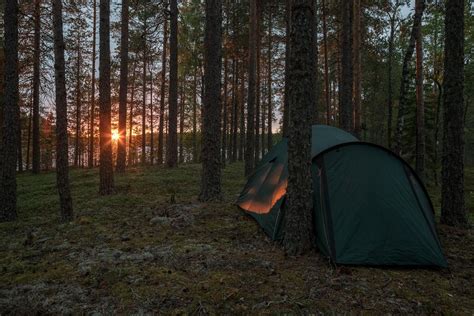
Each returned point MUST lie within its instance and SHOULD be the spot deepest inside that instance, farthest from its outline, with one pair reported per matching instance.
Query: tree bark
(357, 68)
(405, 80)
(78, 106)
(36, 159)
(130, 124)
(286, 106)
(62, 163)
(224, 119)
(122, 124)
(106, 166)
(326, 66)
(92, 110)
(163, 95)
(144, 91)
(172, 148)
(235, 105)
(346, 114)
(10, 114)
(298, 231)
(258, 40)
(195, 88)
(242, 116)
(269, 83)
(420, 104)
(453, 205)
(391, 39)
(152, 136)
(181, 121)
(250, 141)
(211, 128)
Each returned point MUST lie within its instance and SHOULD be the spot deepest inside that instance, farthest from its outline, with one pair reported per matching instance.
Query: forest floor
(135, 252)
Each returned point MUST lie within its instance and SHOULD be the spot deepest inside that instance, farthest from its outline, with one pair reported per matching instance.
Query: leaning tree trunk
(10, 125)
(453, 206)
(346, 114)
(106, 167)
(405, 80)
(302, 96)
(90, 162)
(172, 148)
(36, 89)
(62, 163)
(162, 95)
(211, 127)
(121, 151)
(420, 104)
(235, 114)
(250, 141)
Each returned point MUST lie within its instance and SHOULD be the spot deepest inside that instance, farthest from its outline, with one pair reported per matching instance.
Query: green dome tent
(369, 207)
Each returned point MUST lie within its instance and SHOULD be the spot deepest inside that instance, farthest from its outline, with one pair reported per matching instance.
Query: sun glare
(115, 136)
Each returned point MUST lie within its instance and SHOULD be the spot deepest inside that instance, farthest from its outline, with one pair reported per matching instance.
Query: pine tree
(172, 145)
(106, 166)
(252, 64)
(301, 94)
(62, 162)
(10, 116)
(453, 205)
(121, 151)
(211, 129)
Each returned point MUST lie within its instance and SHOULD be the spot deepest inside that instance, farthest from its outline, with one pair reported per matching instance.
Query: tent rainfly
(369, 206)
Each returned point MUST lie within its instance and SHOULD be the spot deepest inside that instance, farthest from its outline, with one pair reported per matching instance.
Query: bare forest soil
(135, 252)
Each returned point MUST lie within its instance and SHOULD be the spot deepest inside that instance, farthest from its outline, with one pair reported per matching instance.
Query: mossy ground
(116, 258)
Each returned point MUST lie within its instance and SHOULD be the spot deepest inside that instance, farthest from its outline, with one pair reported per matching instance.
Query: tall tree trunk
(453, 205)
(195, 149)
(390, 71)
(122, 124)
(420, 104)
(224, 120)
(152, 138)
(78, 106)
(36, 87)
(172, 148)
(211, 128)
(130, 124)
(357, 68)
(181, 121)
(250, 141)
(242, 116)
(327, 89)
(346, 115)
(10, 114)
(257, 82)
(405, 80)
(286, 106)
(28, 139)
(163, 94)
(62, 163)
(235, 114)
(106, 167)
(269, 83)
(298, 236)
(92, 110)
(19, 144)
(144, 91)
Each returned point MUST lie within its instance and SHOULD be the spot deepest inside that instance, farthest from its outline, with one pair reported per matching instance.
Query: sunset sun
(115, 136)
